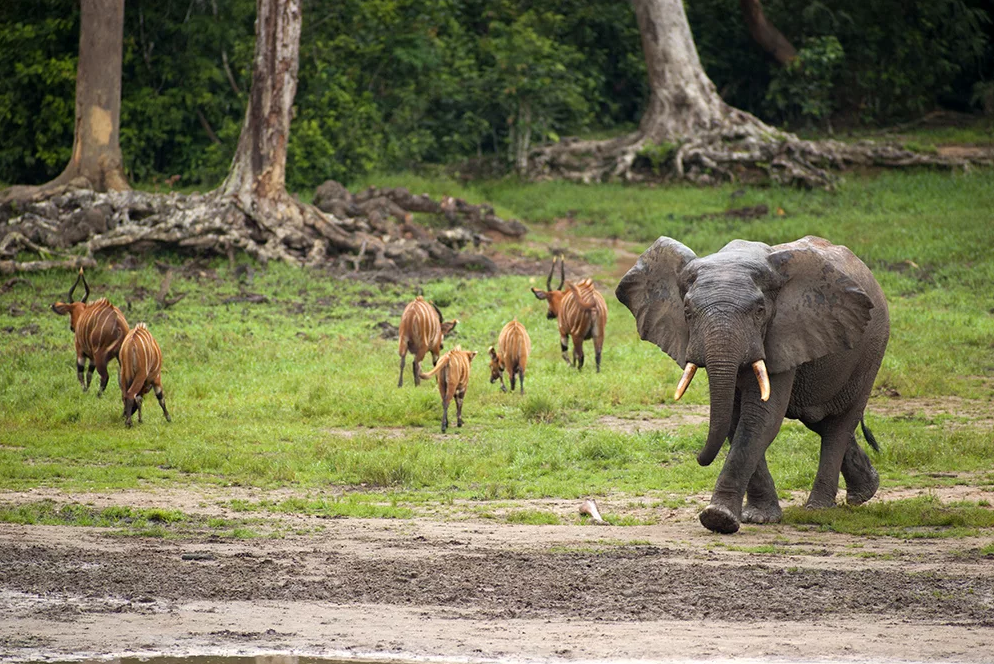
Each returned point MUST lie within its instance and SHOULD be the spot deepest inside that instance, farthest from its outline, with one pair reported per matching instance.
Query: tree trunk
(683, 100)
(96, 161)
(765, 33)
(258, 171)
(96, 152)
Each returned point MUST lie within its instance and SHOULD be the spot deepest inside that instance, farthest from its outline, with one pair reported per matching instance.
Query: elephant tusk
(688, 375)
(759, 368)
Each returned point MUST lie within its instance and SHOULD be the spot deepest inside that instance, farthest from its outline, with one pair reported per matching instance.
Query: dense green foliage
(386, 84)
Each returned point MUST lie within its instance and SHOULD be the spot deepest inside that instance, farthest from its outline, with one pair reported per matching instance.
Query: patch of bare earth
(477, 589)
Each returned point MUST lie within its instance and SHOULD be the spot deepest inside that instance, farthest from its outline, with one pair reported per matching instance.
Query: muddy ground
(480, 590)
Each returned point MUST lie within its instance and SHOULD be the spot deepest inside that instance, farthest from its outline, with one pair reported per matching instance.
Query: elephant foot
(762, 514)
(719, 519)
(818, 503)
(857, 494)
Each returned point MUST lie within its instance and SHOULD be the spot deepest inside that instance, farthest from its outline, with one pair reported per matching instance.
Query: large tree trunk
(96, 152)
(96, 161)
(765, 33)
(688, 132)
(258, 171)
(683, 100)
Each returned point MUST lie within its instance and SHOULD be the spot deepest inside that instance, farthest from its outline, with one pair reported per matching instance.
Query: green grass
(132, 521)
(913, 518)
(301, 392)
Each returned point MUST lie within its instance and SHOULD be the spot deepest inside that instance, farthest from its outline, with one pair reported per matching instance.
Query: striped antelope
(580, 310)
(421, 331)
(99, 329)
(141, 370)
(452, 374)
(514, 346)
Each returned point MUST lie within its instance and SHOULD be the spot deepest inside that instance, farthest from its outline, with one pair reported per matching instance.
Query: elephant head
(772, 308)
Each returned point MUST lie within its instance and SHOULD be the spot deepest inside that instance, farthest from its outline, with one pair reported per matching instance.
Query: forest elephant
(794, 330)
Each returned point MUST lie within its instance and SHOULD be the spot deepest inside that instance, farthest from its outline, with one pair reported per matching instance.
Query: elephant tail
(869, 435)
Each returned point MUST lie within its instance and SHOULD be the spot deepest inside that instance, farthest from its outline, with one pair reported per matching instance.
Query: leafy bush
(804, 87)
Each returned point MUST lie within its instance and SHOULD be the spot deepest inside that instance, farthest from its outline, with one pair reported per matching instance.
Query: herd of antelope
(579, 310)
(102, 334)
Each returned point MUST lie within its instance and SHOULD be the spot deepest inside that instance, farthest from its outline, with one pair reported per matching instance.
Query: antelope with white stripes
(580, 311)
(513, 348)
(452, 374)
(99, 328)
(421, 331)
(141, 370)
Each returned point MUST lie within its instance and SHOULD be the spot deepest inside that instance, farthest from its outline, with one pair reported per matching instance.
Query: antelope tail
(442, 363)
(585, 302)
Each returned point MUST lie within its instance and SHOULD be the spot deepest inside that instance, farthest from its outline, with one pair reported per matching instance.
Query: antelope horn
(759, 368)
(562, 271)
(75, 284)
(552, 270)
(86, 294)
(688, 375)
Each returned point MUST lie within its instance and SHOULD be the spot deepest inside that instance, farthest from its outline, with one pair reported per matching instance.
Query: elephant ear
(651, 291)
(820, 309)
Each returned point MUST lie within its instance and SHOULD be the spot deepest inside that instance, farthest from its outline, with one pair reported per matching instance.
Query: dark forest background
(390, 84)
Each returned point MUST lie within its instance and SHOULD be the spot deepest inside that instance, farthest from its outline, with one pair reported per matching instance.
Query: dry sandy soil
(472, 590)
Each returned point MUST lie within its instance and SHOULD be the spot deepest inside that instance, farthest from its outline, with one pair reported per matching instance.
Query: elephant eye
(760, 311)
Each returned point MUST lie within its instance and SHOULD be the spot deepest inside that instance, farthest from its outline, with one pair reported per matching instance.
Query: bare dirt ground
(473, 590)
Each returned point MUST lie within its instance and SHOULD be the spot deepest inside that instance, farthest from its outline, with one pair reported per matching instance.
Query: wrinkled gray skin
(813, 312)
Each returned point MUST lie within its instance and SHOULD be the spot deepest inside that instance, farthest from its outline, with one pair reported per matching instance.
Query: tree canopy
(389, 83)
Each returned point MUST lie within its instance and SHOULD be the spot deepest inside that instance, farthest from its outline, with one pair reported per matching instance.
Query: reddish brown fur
(141, 370)
(452, 374)
(421, 331)
(513, 348)
(99, 329)
(582, 314)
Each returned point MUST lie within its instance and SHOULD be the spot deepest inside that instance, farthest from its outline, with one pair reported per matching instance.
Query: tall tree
(258, 170)
(688, 131)
(96, 161)
(96, 152)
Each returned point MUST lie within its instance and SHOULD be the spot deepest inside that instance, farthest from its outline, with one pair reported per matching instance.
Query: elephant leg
(758, 424)
(836, 432)
(762, 503)
(861, 477)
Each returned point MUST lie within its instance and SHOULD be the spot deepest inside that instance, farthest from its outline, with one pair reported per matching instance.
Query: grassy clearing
(301, 391)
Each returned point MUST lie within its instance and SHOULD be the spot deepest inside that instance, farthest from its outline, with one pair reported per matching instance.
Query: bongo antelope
(421, 331)
(452, 374)
(141, 367)
(580, 311)
(514, 346)
(99, 329)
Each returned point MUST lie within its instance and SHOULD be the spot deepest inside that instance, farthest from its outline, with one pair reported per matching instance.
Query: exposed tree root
(737, 151)
(376, 230)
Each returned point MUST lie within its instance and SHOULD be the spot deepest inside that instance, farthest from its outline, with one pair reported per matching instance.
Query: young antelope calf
(513, 348)
(452, 374)
(581, 312)
(99, 328)
(141, 368)
(421, 331)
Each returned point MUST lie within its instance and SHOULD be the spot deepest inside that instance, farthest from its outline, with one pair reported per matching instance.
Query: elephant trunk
(723, 370)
